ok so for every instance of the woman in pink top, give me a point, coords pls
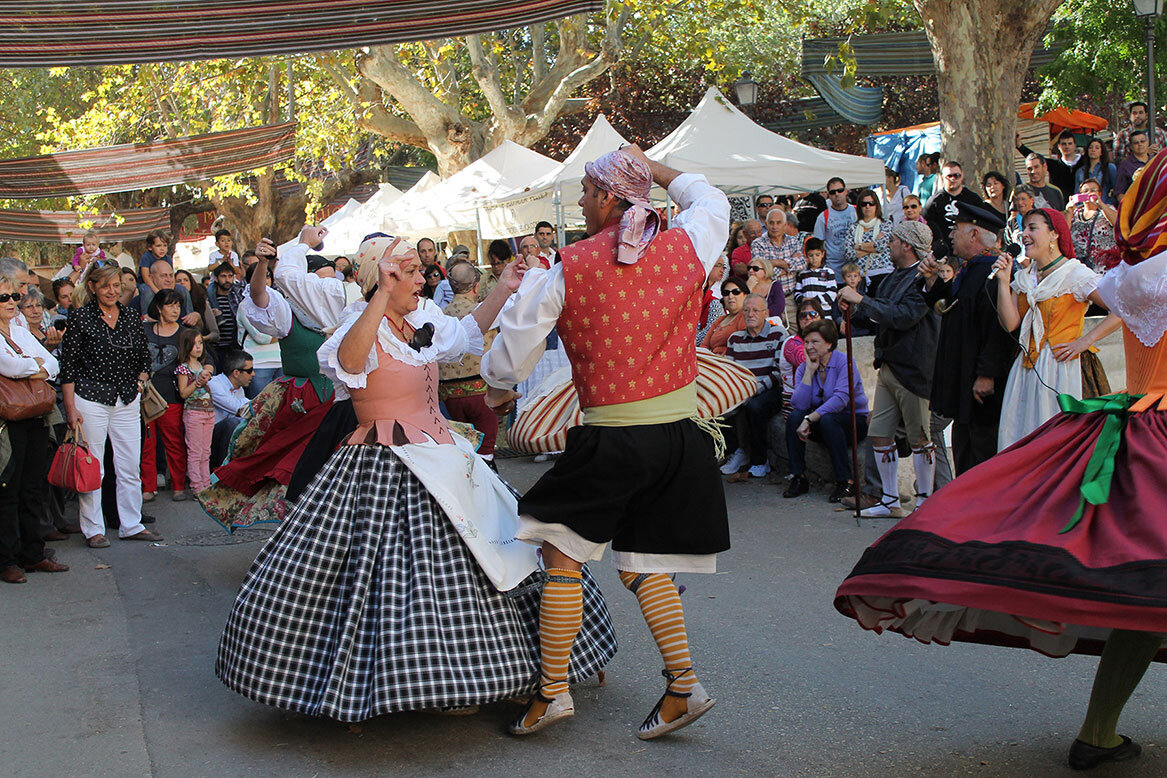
(396, 583)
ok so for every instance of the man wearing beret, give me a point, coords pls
(974, 352)
(905, 352)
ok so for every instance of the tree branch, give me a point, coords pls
(486, 74)
(371, 114)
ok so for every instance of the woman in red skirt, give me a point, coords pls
(1070, 555)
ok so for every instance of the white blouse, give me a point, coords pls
(13, 365)
(453, 339)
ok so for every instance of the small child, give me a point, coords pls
(860, 325)
(816, 280)
(89, 250)
(198, 414)
(949, 268)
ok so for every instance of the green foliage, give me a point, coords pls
(1103, 55)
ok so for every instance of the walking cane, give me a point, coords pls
(854, 417)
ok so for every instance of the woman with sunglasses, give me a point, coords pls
(433, 277)
(21, 357)
(869, 245)
(760, 277)
(733, 295)
(105, 361)
(913, 209)
(794, 349)
(711, 307)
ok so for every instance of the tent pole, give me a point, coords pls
(478, 233)
(560, 216)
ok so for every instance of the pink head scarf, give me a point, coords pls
(628, 178)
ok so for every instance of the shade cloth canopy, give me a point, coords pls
(345, 234)
(66, 226)
(51, 33)
(453, 204)
(132, 166)
(1065, 119)
(741, 157)
(541, 428)
(338, 216)
(553, 196)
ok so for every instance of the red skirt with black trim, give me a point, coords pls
(984, 559)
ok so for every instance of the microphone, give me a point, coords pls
(1014, 251)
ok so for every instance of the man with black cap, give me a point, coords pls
(974, 352)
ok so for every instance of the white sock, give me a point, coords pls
(887, 461)
(924, 460)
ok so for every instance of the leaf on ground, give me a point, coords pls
(103, 567)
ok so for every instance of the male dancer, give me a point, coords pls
(639, 473)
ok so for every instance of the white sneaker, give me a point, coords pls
(735, 462)
(760, 471)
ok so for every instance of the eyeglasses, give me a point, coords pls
(808, 315)
(836, 191)
(731, 292)
(13, 296)
(755, 267)
(867, 204)
(911, 205)
(765, 205)
(954, 175)
(246, 369)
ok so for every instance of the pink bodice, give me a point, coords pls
(399, 405)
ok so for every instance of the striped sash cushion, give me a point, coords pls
(542, 427)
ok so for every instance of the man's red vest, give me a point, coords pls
(630, 330)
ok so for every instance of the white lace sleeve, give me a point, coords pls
(330, 361)
(1138, 294)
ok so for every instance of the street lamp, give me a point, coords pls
(747, 89)
(1149, 11)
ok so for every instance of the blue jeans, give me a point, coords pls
(263, 376)
(834, 431)
(756, 412)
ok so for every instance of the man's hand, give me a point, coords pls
(512, 275)
(265, 249)
(982, 388)
(312, 236)
(501, 401)
(850, 296)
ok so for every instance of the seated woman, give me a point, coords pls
(1045, 304)
(820, 409)
(395, 584)
(711, 307)
(794, 349)
(733, 296)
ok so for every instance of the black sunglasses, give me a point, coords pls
(867, 204)
(13, 296)
(728, 292)
(835, 191)
(755, 267)
(246, 369)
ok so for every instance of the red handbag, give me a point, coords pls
(74, 468)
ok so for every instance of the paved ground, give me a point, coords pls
(108, 670)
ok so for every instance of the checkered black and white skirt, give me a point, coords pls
(365, 601)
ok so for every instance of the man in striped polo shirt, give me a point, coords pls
(755, 348)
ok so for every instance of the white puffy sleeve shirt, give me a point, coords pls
(275, 320)
(322, 298)
(453, 338)
(524, 325)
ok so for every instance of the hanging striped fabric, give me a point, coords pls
(66, 226)
(132, 166)
(83, 32)
(542, 427)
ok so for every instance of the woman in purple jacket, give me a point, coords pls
(820, 410)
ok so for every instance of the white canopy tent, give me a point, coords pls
(453, 204)
(345, 234)
(334, 218)
(741, 157)
(553, 196)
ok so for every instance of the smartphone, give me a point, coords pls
(1080, 198)
(59, 324)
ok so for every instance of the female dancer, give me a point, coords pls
(1046, 305)
(396, 584)
(1068, 555)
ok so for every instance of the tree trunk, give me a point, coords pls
(982, 50)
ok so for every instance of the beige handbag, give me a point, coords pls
(153, 404)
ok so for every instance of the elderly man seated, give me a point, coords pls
(757, 349)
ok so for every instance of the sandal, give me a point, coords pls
(698, 705)
(559, 707)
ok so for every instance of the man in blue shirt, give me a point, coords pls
(833, 226)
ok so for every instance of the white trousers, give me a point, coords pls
(121, 424)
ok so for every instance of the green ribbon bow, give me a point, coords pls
(1099, 473)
